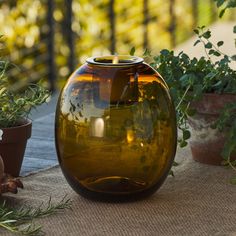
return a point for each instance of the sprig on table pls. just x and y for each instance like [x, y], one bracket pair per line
[20, 221]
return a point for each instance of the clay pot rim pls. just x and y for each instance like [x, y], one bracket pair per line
[17, 133]
[213, 103]
[25, 122]
[219, 94]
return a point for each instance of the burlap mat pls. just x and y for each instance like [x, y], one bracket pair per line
[199, 200]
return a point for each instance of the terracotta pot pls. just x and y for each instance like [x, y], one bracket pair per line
[12, 146]
[207, 143]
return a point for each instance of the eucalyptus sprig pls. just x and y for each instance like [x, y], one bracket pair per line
[20, 221]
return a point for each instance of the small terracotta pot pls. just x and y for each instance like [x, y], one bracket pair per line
[12, 146]
[207, 143]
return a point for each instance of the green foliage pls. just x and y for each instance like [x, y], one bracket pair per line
[189, 79]
[19, 221]
[225, 4]
[15, 106]
[132, 51]
[24, 23]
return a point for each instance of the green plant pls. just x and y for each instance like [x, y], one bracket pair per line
[15, 106]
[225, 4]
[19, 220]
[189, 79]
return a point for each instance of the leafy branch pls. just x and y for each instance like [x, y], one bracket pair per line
[225, 4]
[20, 220]
[188, 79]
[210, 48]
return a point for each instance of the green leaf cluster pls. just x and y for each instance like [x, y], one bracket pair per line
[188, 79]
[16, 106]
[225, 4]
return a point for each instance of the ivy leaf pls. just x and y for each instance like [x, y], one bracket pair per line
[198, 41]
[196, 31]
[187, 79]
[234, 29]
[222, 12]
[147, 53]
[171, 172]
[212, 51]
[164, 52]
[175, 163]
[220, 3]
[183, 144]
[220, 43]
[218, 84]
[217, 54]
[132, 51]
[233, 57]
[186, 134]
[206, 34]
[231, 4]
[208, 45]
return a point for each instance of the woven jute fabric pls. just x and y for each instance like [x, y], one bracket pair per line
[199, 200]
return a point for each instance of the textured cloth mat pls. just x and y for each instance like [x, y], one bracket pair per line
[199, 200]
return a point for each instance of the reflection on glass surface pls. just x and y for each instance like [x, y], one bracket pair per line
[115, 130]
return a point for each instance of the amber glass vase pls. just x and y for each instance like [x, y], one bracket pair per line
[115, 129]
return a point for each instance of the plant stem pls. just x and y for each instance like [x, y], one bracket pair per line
[182, 98]
[230, 164]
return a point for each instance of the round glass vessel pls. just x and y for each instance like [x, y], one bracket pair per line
[115, 129]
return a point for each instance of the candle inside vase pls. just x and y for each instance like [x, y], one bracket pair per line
[115, 59]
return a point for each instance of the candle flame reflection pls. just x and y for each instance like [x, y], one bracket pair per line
[99, 127]
[115, 60]
[130, 136]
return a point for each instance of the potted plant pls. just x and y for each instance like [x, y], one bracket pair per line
[15, 127]
[204, 91]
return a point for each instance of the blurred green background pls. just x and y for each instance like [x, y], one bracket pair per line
[48, 39]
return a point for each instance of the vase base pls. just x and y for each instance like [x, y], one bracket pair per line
[114, 184]
[112, 189]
